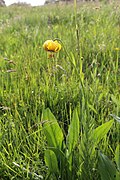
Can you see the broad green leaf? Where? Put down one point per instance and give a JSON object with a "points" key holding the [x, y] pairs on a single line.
{"points": [[117, 156], [52, 129], [101, 131], [62, 159], [73, 132], [106, 168], [51, 161]]}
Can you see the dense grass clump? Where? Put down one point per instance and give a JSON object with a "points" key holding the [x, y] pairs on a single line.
{"points": [[80, 85]]}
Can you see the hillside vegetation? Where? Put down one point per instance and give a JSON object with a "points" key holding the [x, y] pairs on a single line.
{"points": [[60, 112]]}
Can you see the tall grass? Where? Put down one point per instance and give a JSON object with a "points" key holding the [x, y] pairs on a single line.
{"points": [[84, 75]]}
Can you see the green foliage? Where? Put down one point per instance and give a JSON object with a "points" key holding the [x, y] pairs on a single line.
{"points": [[57, 154], [51, 161], [73, 132], [106, 168], [52, 130], [65, 155], [79, 85], [101, 131]]}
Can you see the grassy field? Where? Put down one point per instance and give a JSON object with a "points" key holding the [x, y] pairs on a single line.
{"points": [[59, 112]]}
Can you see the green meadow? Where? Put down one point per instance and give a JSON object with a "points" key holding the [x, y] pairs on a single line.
{"points": [[60, 112]]}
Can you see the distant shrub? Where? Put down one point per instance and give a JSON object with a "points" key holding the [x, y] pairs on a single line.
{"points": [[21, 4]]}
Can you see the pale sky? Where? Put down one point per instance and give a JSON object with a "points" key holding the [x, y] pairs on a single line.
{"points": [[32, 2]]}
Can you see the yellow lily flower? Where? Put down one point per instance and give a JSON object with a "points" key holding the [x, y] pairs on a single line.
{"points": [[52, 46]]}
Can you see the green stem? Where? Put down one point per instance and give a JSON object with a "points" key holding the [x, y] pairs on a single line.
{"points": [[81, 82], [76, 28]]}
